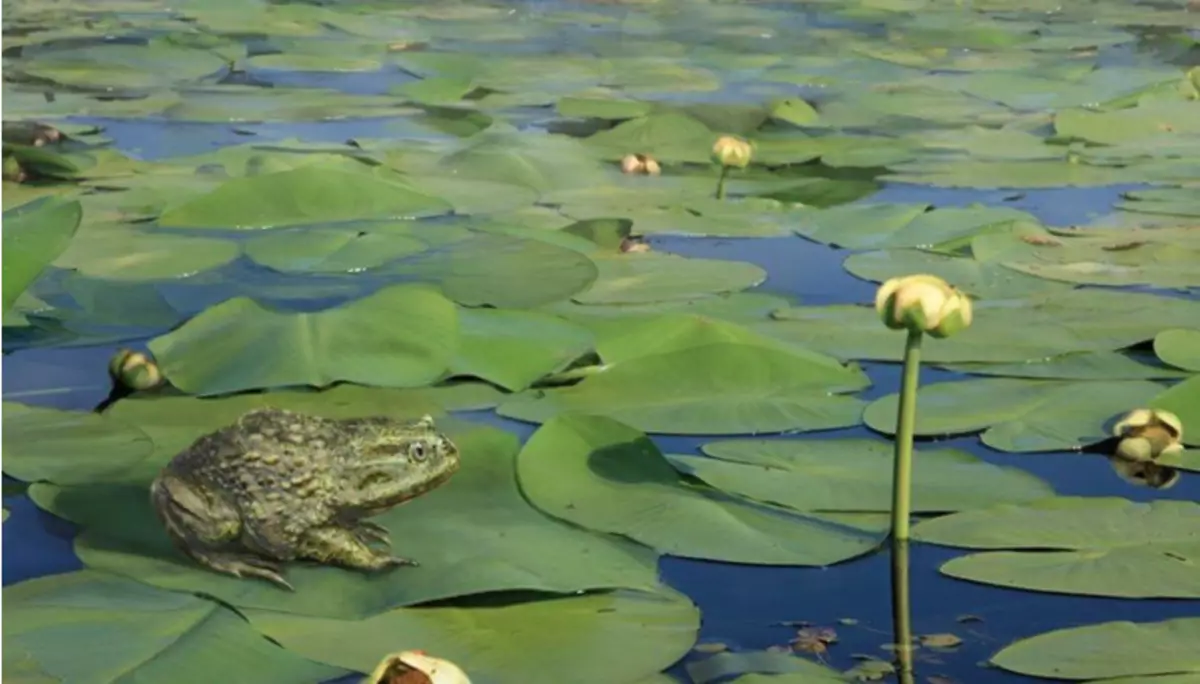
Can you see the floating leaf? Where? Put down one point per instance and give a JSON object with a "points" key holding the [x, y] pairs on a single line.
{"points": [[604, 475], [58, 622], [668, 137], [124, 253], [68, 447], [712, 389], [1019, 415], [874, 226], [1183, 400], [979, 279], [610, 638], [774, 668], [1077, 545], [473, 535], [649, 277], [35, 234], [1108, 650], [854, 475], [330, 251], [401, 336], [308, 194], [1179, 347], [515, 348]]}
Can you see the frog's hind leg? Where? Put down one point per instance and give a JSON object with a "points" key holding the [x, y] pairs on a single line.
{"points": [[243, 565], [203, 526], [345, 546], [368, 532]]}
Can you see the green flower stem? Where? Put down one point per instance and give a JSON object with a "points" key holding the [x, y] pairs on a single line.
{"points": [[905, 424], [721, 182], [902, 612]]}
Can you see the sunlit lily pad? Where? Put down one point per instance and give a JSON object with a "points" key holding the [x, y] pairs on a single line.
{"points": [[125, 253], [608, 638], [1076, 366], [1019, 415], [476, 534], [634, 278], [667, 137], [1003, 330], [1179, 347], [713, 388], [1109, 649], [330, 251], [121, 65], [308, 194], [515, 348], [402, 336], [1183, 399], [979, 279], [873, 226], [1077, 545], [855, 475], [604, 475], [54, 624]]}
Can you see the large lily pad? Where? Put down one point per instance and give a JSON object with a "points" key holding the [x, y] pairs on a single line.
{"points": [[401, 336], [475, 534], [1003, 329], [608, 638], [604, 475], [1019, 415], [55, 625], [314, 193], [1152, 650], [855, 475], [635, 278], [980, 279], [718, 388], [513, 349], [158, 62], [68, 447], [35, 234], [122, 252], [330, 251], [1183, 400], [875, 226], [1077, 545]]}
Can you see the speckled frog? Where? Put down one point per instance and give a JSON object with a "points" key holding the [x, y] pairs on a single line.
{"points": [[280, 486]]}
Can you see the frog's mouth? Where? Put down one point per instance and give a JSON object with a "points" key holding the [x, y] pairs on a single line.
{"points": [[410, 487]]}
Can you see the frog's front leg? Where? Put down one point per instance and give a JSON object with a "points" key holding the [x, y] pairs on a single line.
{"points": [[345, 546]]}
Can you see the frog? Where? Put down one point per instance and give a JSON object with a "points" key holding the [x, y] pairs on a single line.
{"points": [[277, 486]]}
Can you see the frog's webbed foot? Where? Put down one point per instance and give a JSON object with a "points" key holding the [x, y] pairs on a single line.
{"points": [[368, 532], [344, 546], [243, 565]]}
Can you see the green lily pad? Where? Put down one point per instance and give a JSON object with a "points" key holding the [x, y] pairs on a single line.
{"points": [[1180, 201], [979, 279], [514, 349], [1109, 649], [401, 336], [540, 162], [603, 108], [714, 388], [1183, 400], [634, 278], [740, 307], [1018, 415], [506, 271], [668, 137], [855, 475], [1003, 330], [1075, 366], [125, 253], [608, 638], [474, 535], [35, 234], [1150, 119], [601, 474], [330, 251], [55, 623], [1077, 545], [120, 65], [307, 194], [875, 226], [48, 444], [1179, 347]]}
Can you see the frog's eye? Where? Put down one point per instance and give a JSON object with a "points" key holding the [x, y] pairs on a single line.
{"points": [[417, 451]]}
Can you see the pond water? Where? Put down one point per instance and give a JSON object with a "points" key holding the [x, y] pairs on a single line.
{"points": [[680, 55]]}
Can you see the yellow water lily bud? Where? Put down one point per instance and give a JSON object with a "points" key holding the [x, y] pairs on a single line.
{"points": [[416, 667], [640, 164], [1147, 434], [732, 151], [134, 370], [923, 303]]}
